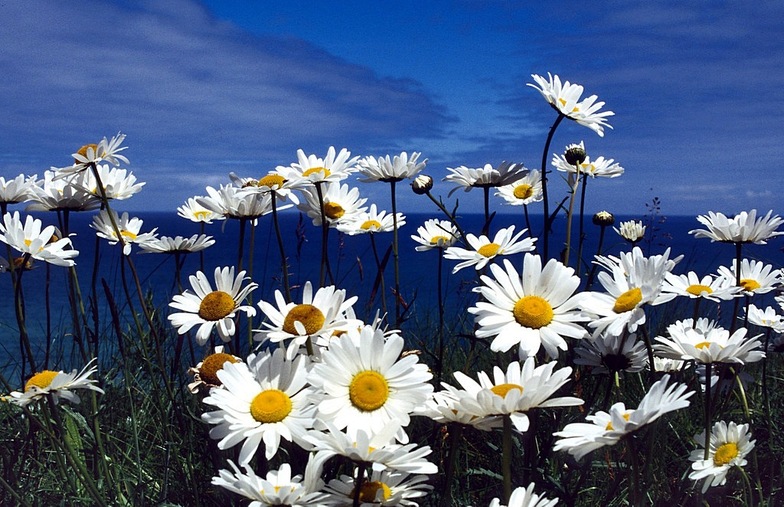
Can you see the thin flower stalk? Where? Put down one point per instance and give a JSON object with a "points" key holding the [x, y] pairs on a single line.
{"points": [[284, 268], [395, 255], [545, 236], [325, 268]]}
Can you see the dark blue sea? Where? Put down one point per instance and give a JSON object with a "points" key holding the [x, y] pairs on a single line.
{"points": [[351, 258]]}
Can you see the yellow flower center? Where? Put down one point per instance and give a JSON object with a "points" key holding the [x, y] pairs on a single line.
{"points": [[628, 300], [128, 235], [523, 191], [609, 426], [749, 284], [563, 104], [314, 170], [270, 406], [489, 250], [201, 215], [310, 317], [502, 389], [435, 239], [533, 311], [703, 345], [271, 180], [725, 453], [368, 390], [83, 150], [41, 380], [333, 210], [216, 305], [369, 490], [27, 242], [588, 168], [370, 225], [212, 364], [697, 289]]}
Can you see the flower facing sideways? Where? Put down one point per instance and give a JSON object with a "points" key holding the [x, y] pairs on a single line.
{"points": [[565, 98], [58, 384], [129, 229], [744, 227], [37, 242]]}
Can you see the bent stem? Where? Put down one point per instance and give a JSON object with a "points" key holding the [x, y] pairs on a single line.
{"points": [[546, 202]]}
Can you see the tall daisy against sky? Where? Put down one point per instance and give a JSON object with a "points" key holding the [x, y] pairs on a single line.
{"points": [[129, 228], [32, 239], [60, 195], [231, 201], [482, 249], [535, 309], [90, 155], [728, 446], [386, 169], [744, 227], [209, 309], [57, 384], [262, 401], [337, 204], [118, 184], [15, 190], [366, 383], [334, 167]]}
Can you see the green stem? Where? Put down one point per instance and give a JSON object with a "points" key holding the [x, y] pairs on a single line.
{"points": [[455, 440], [581, 234], [506, 464], [283, 264], [707, 414], [546, 203], [325, 268], [395, 255]]}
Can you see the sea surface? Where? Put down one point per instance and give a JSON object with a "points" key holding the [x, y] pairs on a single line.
{"points": [[352, 263]]}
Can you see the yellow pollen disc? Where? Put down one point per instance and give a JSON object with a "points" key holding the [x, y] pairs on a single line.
{"points": [[128, 235], [523, 191], [272, 180], [698, 289], [489, 250], [562, 101], [27, 242], [533, 311], [368, 390], [609, 426], [333, 210], [435, 239], [216, 305], [502, 389], [310, 317], [725, 453], [703, 345], [270, 406], [369, 490], [371, 225], [749, 284], [41, 379], [628, 300], [83, 150], [200, 215], [212, 364], [314, 170]]}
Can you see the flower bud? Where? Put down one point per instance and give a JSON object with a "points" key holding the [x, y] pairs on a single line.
{"points": [[575, 154], [603, 219], [422, 184]]}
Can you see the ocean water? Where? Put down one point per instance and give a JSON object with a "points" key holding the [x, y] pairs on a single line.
{"points": [[351, 259]]}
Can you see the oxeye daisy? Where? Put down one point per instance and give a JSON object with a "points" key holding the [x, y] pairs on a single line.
{"points": [[277, 488], [205, 374], [382, 487], [692, 286], [319, 316], [233, 202], [57, 384], [607, 428], [435, 233], [104, 224], [729, 446], [369, 222], [118, 184], [484, 177], [388, 169], [274, 183], [60, 195], [522, 387], [632, 231], [482, 250], [89, 154], [445, 407], [532, 310], [367, 384], [755, 278], [263, 400], [611, 354], [525, 190], [312, 169], [209, 308], [178, 244], [36, 241], [18, 189], [525, 497], [195, 212], [706, 342], [744, 227], [565, 98], [341, 204], [768, 318]]}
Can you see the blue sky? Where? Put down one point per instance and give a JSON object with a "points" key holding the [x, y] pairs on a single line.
{"points": [[202, 88]]}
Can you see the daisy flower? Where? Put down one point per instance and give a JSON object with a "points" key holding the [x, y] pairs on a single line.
{"points": [[274, 183], [195, 212], [706, 342], [756, 277], [531, 310], [599, 168], [565, 98], [264, 400], [60, 195], [205, 373], [765, 318], [607, 428], [422, 184], [610, 353], [36, 241], [16, 190], [233, 202], [104, 225], [369, 222], [395, 169], [367, 384], [178, 244], [692, 286], [118, 184], [341, 204], [58, 384], [209, 308], [729, 446], [383, 487], [482, 250], [277, 488], [521, 388], [435, 233], [525, 497], [484, 177], [319, 316], [631, 230], [744, 227], [445, 407], [312, 169], [89, 154], [526, 190]]}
